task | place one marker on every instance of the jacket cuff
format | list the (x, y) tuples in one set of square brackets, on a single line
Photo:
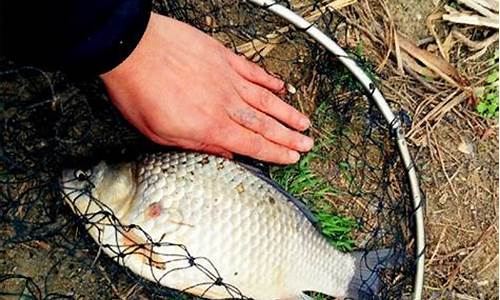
[(112, 43)]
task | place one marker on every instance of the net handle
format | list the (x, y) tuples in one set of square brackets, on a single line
[(389, 116)]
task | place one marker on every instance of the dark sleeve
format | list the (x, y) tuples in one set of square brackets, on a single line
[(84, 37)]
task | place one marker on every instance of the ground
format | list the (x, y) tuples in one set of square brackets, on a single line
[(410, 16), (461, 212), (456, 155)]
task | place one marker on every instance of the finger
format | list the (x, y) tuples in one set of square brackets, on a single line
[(238, 139), (253, 73), (270, 128), (270, 104)]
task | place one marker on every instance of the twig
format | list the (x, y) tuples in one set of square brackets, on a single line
[(488, 265), (421, 80), (258, 48), (490, 4), (441, 236), (454, 175), (132, 290), (430, 26), (478, 7), (431, 149), (475, 45), (428, 287), (399, 60), (464, 297), (429, 117), (390, 34), (454, 227), (476, 248), (462, 18), (449, 106), (113, 287), (415, 66), (452, 186)]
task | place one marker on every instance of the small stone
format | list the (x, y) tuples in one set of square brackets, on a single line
[(291, 89)]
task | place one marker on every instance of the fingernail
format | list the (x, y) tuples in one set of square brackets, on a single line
[(282, 90), (294, 156), (306, 144), (305, 123), (281, 83)]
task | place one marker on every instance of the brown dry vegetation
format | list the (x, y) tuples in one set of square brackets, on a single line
[(461, 189)]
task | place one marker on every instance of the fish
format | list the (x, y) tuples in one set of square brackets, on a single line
[(214, 228)]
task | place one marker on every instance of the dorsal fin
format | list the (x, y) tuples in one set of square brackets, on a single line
[(255, 166)]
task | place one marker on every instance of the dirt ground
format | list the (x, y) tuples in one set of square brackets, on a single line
[(461, 189)]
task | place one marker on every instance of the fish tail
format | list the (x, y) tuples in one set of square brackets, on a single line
[(366, 282)]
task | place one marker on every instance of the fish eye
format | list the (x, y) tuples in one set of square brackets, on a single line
[(81, 175)]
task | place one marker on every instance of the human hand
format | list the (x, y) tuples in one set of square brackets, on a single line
[(182, 88)]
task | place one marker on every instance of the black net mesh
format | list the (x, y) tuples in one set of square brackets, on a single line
[(50, 122)]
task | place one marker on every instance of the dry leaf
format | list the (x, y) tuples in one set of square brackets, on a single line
[(462, 18), (487, 133), (466, 148), (415, 66), (435, 63), (490, 4), (257, 48), (473, 4)]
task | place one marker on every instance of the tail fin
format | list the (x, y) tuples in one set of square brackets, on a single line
[(366, 283)]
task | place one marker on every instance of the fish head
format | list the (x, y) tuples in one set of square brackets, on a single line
[(103, 187)]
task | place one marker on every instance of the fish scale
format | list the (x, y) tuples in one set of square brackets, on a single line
[(256, 237), (264, 251)]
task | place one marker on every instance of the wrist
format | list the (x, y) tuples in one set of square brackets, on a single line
[(135, 59)]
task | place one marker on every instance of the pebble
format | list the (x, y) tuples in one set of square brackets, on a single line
[(291, 89)]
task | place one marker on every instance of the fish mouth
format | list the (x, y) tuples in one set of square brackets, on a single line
[(68, 183), (73, 181)]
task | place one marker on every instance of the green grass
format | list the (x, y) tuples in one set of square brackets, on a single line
[(319, 297), (343, 78), (303, 181), (300, 180), (337, 229), (488, 103), (454, 5)]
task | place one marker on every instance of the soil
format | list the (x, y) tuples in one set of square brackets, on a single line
[(462, 212), (461, 192), (410, 16)]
